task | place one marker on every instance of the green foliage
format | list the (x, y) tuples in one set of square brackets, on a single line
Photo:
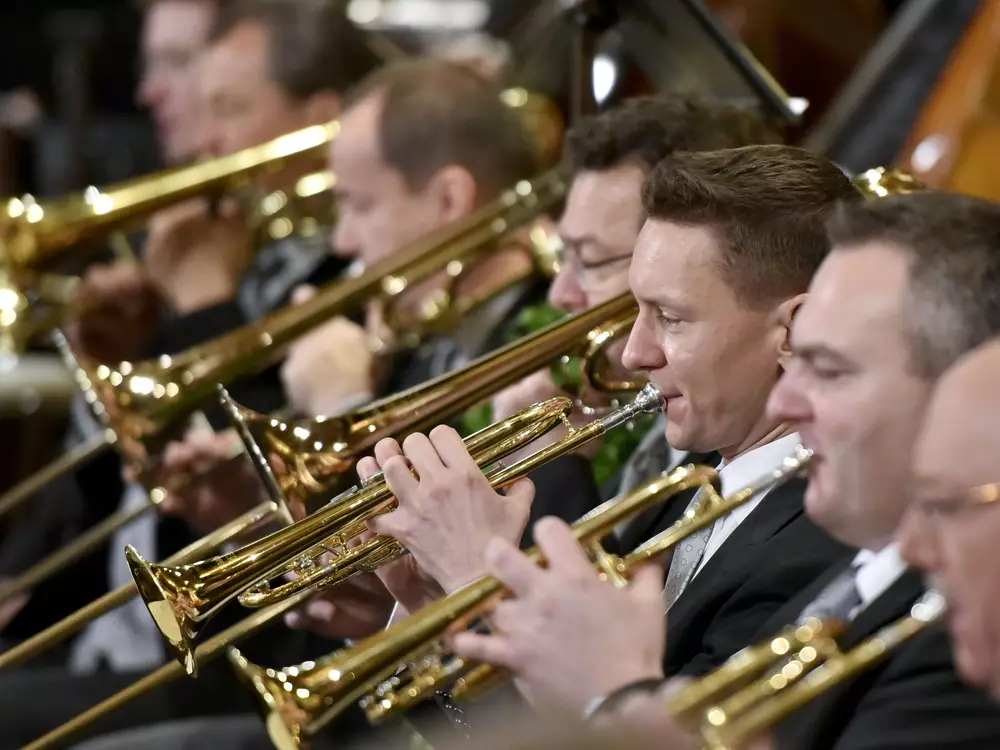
[(616, 447)]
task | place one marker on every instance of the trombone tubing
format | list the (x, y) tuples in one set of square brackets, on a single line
[(73, 623), (92, 538), (172, 670), (337, 681)]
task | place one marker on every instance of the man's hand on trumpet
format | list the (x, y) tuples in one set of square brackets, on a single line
[(447, 509), (568, 636)]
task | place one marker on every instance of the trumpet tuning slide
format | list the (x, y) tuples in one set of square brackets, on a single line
[(165, 607)]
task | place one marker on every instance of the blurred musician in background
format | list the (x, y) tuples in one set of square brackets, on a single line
[(911, 284), (298, 57), (717, 290), (952, 527), (423, 143)]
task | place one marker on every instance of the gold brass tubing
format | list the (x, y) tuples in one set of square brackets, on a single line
[(172, 670), (252, 519), (89, 540), (72, 459), (727, 733)]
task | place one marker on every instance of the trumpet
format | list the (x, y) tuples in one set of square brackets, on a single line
[(301, 700), (765, 683), (179, 598), (314, 456), (140, 403)]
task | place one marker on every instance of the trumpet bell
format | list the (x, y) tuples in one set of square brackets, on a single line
[(166, 593), (284, 718)]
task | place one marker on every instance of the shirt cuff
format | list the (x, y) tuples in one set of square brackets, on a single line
[(605, 703)]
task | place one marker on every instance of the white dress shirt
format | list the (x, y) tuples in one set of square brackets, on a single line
[(876, 572), (736, 475)]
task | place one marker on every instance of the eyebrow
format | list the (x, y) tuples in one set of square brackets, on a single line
[(812, 352)]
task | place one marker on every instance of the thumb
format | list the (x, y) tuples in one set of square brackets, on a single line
[(521, 492), (303, 293), (647, 582)]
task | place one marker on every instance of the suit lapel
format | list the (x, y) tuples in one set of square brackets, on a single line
[(661, 515), (894, 603), (776, 510)]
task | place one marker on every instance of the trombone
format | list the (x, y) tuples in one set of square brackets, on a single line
[(508, 435), (34, 234), (763, 684), (319, 453), (301, 700), (140, 403)]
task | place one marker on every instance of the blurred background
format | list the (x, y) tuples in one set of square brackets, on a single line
[(869, 82)]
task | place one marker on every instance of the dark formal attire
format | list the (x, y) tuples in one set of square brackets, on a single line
[(119, 647), (481, 331), (913, 699)]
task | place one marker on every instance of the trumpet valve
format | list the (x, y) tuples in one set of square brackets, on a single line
[(398, 693)]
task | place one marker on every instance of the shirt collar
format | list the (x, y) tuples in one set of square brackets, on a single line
[(877, 571), (756, 464)]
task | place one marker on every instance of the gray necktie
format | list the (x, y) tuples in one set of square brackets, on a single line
[(649, 459), (836, 600), (687, 555)]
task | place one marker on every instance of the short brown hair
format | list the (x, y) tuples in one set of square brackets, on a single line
[(768, 205), (953, 242), (437, 113), (313, 46), (650, 128)]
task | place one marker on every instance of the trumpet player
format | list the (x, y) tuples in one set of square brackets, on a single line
[(717, 290), (249, 43), (910, 285), (608, 155), (950, 530)]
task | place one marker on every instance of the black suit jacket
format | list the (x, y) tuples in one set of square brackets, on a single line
[(913, 700), (772, 555)]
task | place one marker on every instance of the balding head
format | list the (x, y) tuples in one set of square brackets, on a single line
[(960, 439), (952, 530)]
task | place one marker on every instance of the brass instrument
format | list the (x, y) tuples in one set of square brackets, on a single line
[(141, 402), (319, 454), (300, 700), (33, 234), (252, 520), (315, 456), (763, 684), (179, 598)]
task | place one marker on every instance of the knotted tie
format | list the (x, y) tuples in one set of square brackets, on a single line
[(837, 600), (686, 557)]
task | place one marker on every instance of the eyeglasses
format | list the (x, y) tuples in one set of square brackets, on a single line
[(954, 504)]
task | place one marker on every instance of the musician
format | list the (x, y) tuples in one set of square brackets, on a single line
[(912, 283), (301, 84), (608, 154), (717, 290), (951, 528)]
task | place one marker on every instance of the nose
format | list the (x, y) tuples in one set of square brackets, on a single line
[(788, 401), (344, 239), (151, 91), (643, 350), (918, 541), (565, 292)]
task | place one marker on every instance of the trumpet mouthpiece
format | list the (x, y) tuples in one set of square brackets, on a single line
[(161, 602)]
